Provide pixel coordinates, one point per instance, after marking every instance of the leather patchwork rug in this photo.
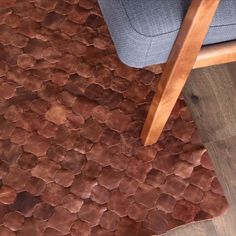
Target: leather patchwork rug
(71, 161)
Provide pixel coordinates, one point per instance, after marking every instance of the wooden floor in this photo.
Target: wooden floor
(211, 96)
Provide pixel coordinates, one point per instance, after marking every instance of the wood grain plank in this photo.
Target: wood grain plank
(211, 93)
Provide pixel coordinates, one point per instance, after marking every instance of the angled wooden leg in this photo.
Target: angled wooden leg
(179, 64)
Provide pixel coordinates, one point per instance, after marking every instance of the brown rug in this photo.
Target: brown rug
(71, 162)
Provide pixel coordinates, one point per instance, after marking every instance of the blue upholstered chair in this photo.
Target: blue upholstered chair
(148, 32)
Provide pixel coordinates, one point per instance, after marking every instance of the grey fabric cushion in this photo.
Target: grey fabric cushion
(144, 30)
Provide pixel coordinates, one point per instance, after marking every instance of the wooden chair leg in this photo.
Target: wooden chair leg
(178, 66)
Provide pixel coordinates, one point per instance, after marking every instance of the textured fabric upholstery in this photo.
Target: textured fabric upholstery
(144, 30)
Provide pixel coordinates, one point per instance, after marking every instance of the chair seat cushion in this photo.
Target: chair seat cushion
(144, 31)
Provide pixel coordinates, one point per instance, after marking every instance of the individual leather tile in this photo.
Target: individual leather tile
(37, 14)
(56, 114)
(119, 161)
(91, 169)
(42, 211)
(36, 145)
(6, 232)
(10, 152)
(202, 178)
(61, 220)
(51, 55)
(66, 98)
(100, 194)
(166, 203)
(69, 27)
(63, 8)
(56, 153)
(174, 185)
(128, 186)
(82, 186)
(193, 194)
(24, 203)
(80, 228)
(73, 161)
(72, 203)
(183, 169)
(128, 226)
(109, 220)
(32, 83)
(147, 195)
(137, 169)
(119, 203)
(13, 221)
(110, 137)
(74, 122)
(25, 61)
(156, 221)
(216, 187)
(146, 77)
(100, 114)
(53, 21)
(46, 4)
(53, 194)
(111, 99)
(185, 211)
(45, 170)
(206, 161)
(137, 212)
(214, 204)
(182, 130)
(165, 162)
(146, 153)
(102, 75)
(20, 136)
(13, 176)
(84, 107)
(7, 195)
(48, 130)
(35, 186)
(79, 15)
(60, 140)
(99, 154)
(110, 178)
(193, 156)
(155, 178)
(7, 90)
(59, 77)
(32, 226)
(91, 213)
(64, 178)
(92, 130)
(94, 92)
(69, 63)
(137, 92)
(118, 121)
(27, 161)
(35, 48)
